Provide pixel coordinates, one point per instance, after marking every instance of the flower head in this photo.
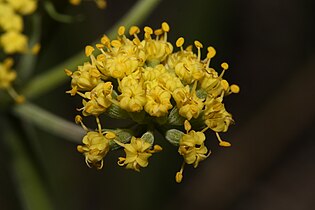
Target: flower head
(144, 80)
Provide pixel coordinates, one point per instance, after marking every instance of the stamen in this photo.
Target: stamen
(165, 28)
(88, 50)
(179, 175)
(17, 98)
(78, 120)
(121, 30)
(158, 33)
(179, 43)
(98, 124)
(148, 30)
(235, 88)
(225, 67)
(134, 30)
(221, 142)
(116, 43)
(199, 46)
(204, 130)
(187, 126)
(225, 84)
(68, 72)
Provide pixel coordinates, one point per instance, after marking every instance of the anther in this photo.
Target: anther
(165, 27)
(179, 43)
(187, 126)
(134, 30)
(221, 142)
(121, 30)
(235, 88)
(89, 50)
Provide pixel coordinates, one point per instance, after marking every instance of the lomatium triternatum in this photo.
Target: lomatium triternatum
(159, 89)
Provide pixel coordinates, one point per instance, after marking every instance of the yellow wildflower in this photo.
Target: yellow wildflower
(13, 42)
(96, 146)
(11, 21)
(132, 97)
(155, 88)
(188, 103)
(192, 148)
(157, 49)
(99, 99)
(7, 75)
(158, 102)
(216, 117)
(85, 79)
(137, 153)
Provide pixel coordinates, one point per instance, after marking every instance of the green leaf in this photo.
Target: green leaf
(148, 137)
(174, 136)
(174, 118)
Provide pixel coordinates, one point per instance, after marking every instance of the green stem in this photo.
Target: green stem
(50, 122)
(28, 182)
(56, 76)
(27, 61)
(51, 10)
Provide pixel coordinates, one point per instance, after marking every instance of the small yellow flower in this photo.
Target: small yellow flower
(192, 147)
(7, 75)
(11, 21)
(216, 117)
(186, 66)
(137, 153)
(85, 79)
(99, 99)
(96, 146)
(132, 98)
(188, 103)
(13, 42)
(158, 102)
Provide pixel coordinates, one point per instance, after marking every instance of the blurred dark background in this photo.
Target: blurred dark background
(269, 45)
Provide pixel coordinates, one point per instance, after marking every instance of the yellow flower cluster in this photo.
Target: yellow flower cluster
(7, 76)
(99, 3)
(144, 80)
(12, 40)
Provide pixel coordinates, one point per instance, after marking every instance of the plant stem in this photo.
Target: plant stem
(49, 122)
(28, 182)
(56, 76)
(27, 61)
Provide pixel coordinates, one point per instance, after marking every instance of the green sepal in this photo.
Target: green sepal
(174, 118)
(174, 136)
(148, 137)
(201, 93)
(122, 135)
(116, 112)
